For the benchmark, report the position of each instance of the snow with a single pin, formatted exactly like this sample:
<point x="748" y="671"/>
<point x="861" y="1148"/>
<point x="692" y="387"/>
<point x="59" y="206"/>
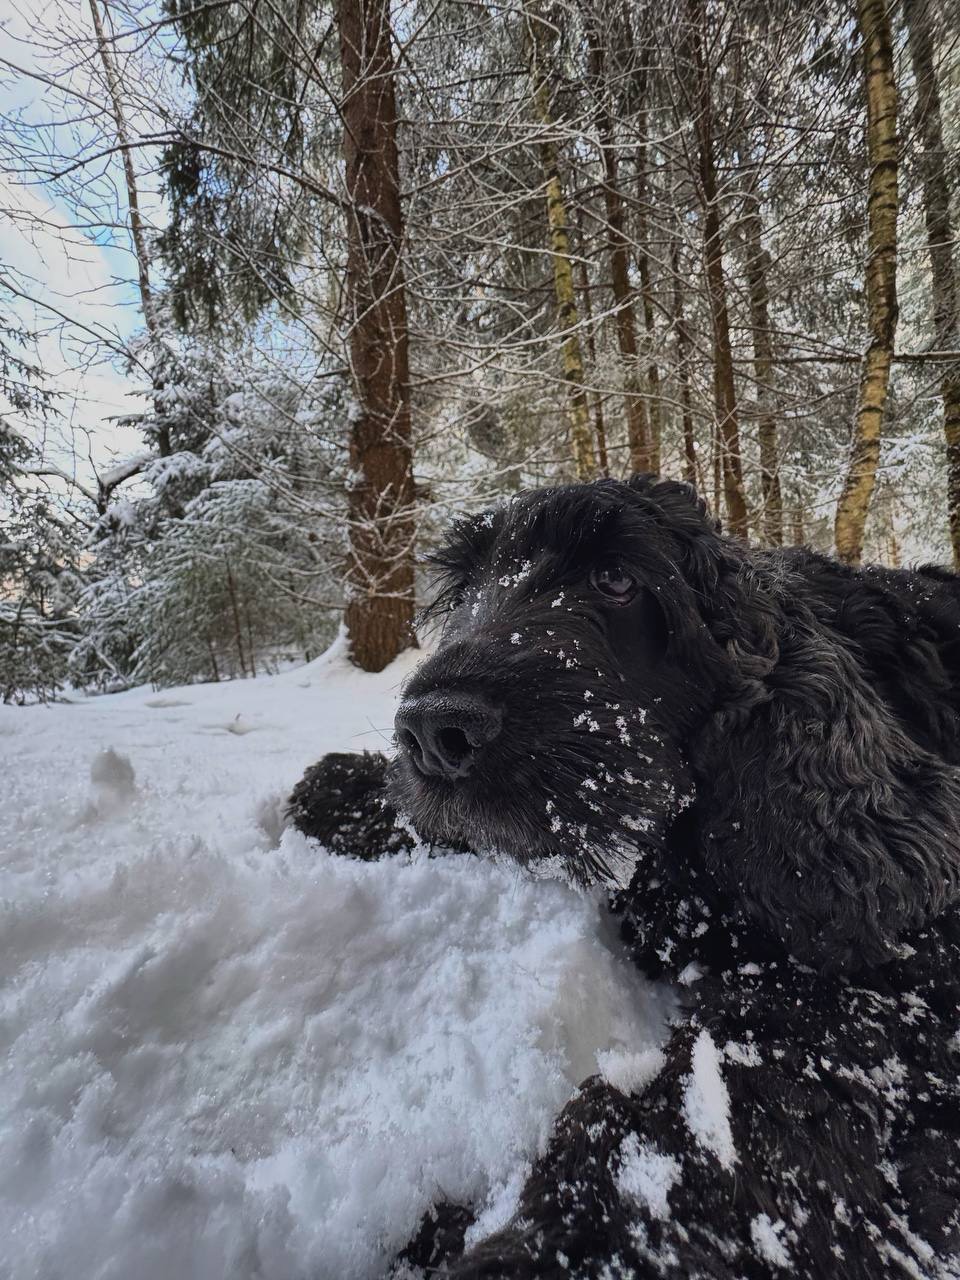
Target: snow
<point x="646" y="1175"/>
<point x="230" y="1053"/>
<point x="767" y="1237"/>
<point x="115" y="475"/>
<point x="628" y="1070"/>
<point x="706" y="1102"/>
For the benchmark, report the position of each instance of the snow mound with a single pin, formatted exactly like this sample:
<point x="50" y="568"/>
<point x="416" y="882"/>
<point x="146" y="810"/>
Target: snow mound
<point x="228" y="1058"/>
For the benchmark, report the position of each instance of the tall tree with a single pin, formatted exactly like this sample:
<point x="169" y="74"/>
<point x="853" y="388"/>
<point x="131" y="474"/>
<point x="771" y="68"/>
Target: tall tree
<point x="539" y="34"/>
<point x="757" y="269"/>
<point x="124" y="142"/>
<point x="599" y="425"/>
<point x="380" y="604"/>
<point x="638" y="427"/>
<point x="256" y="230"/>
<point x="641" y="81"/>
<point x="138" y="232"/>
<point x="940" y="242"/>
<point x="682" y="337"/>
<point x="725" y="393"/>
<point x="880" y="88"/>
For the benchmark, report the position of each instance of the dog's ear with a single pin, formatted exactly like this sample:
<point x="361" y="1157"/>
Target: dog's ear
<point x="834" y="830"/>
<point x="689" y="536"/>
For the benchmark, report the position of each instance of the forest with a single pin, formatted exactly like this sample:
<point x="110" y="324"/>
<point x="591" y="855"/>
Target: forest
<point x="364" y="267"/>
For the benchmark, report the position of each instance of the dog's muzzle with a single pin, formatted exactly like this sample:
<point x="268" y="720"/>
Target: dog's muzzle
<point x="444" y="734"/>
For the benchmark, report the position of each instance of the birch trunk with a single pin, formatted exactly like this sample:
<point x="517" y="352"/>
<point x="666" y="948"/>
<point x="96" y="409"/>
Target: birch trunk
<point x="379" y="612"/>
<point x="939" y="225"/>
<point x="881" y="278"/>
<point x="138" y="236"/>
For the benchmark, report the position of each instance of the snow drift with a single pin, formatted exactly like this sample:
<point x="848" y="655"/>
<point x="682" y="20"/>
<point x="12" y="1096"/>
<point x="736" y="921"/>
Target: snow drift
<point x="229" y="1053"/>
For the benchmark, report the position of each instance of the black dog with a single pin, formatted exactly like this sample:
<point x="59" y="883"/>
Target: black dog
<point x="758" y="749"/>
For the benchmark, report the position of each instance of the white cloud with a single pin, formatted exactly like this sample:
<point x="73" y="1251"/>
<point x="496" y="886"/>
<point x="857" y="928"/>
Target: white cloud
<point x="72" y="299"/>
<point x="75" y="281"/>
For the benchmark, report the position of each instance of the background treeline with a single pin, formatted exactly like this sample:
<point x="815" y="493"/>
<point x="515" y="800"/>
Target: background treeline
<point x="396" y="260"/>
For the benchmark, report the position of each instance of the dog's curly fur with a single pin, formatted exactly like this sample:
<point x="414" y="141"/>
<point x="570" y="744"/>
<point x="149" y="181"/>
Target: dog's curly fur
<point x="764" y="746"/>
<point x="333" y="803"/>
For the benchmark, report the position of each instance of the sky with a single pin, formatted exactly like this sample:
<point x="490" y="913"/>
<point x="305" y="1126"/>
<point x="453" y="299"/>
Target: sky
<point x="79" y="297"/>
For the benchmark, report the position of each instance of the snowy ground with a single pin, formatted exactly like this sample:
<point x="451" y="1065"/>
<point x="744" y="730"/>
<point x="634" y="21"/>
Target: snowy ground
<point x="228" y="1053"/>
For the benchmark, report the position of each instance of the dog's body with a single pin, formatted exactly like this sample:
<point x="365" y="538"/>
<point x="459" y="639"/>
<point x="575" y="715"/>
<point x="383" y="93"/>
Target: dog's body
<point x="758" y="750"/>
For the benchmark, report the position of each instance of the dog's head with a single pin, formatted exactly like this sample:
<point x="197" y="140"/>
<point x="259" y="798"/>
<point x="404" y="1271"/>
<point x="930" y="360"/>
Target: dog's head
<point x="570" y="668"/>
<point x="606" y="656"/>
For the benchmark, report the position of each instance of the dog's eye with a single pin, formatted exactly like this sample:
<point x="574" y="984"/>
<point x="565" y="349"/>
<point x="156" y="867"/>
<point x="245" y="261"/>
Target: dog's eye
<point x="614" y="583"/>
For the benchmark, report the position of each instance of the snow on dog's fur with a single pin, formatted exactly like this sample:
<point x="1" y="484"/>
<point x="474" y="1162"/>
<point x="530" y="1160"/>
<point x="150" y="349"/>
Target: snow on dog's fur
<point x="758" y="750"/>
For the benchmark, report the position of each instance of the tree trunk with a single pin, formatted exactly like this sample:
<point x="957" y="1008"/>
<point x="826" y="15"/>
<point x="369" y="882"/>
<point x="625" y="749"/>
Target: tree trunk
<point x="796" y="532"/>
<point x="725" y="395"/>
<point x="936" y="205"/>
<point x="379" y="612"/>
<point x="638" y="430"/>
<point x="137" y="232"/>
<point x="599" y="426"/>
<point x="894" y="555"/>
<point x="234" y="607"/>
<point x="683" y="368"/>
<point x="126" y="154"/>
<point x="213" y="660"/>
<point x="881" y="278"/>
<point x="771" y="517"/>
<point x="646" y="293"/>
<point x="251" y="650"/>
<point x="639" y="81"/>
<point x="558" y="225"/>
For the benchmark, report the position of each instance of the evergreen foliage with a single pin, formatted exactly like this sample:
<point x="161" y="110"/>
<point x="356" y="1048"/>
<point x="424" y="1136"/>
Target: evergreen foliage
<point x="224" y="562"/>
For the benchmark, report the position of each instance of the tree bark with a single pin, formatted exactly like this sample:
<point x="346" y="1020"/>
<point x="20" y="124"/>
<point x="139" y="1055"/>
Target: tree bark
<point x="683" y="368"/>
<point x="237" y="633"/>
<point x="599" y="426"/>
<point x="137" y="234"/>
<point x="796" y="532"/>
<point x="655" y="414"/>
<point x="213" y="660"/>
<point x="881" y="278"/>
<point x="637" y="59"/>
<point x="380" y="603"/>
<point x="558" y="226"/>
<point x="771" y="517"/>
<point x="137" y="231"/>
<point x="725" y="394"/>
<point x="638" y="430"/>
<point x="939" y="225"/>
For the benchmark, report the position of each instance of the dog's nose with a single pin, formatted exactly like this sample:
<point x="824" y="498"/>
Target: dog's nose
<point x="444" y="733"/>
